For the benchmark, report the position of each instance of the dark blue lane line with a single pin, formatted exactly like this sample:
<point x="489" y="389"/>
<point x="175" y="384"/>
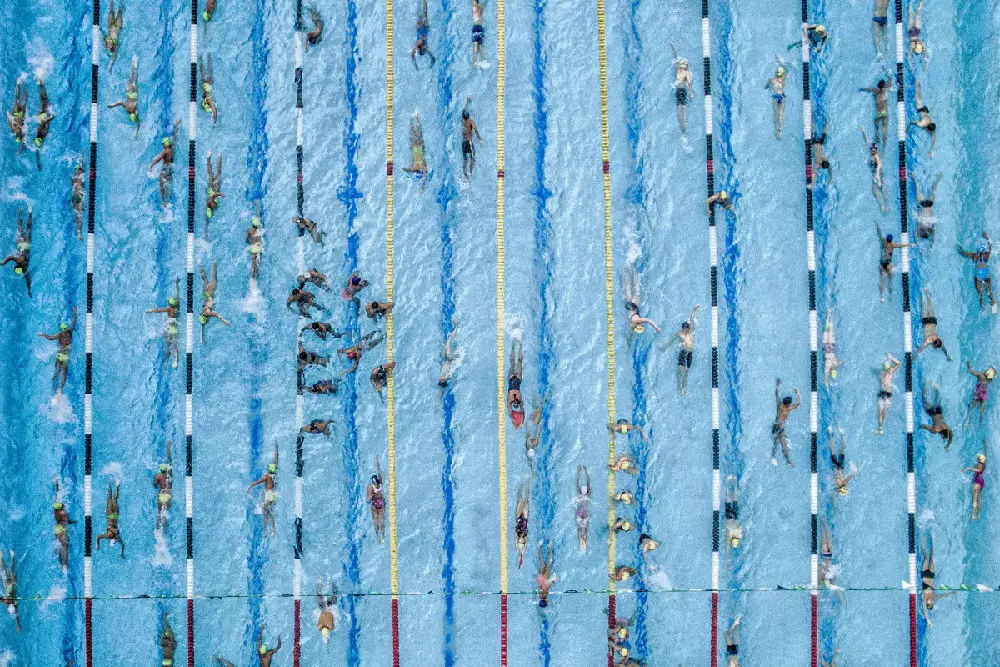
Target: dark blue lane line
<point x="349" y="195"/>
<point x="544" y="497"/>
<point x="445" y="198"/>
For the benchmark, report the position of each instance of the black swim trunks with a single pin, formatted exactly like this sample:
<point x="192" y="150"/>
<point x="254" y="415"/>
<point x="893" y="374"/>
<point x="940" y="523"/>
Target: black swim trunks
<point x="514" y="382"/>
<point x="884" y="394"/>
<point x="681" y="93"/>
<point x="928" y="320"/>
<point x="732" y="511"/>
<point x="684" y="358"/>
<point x="466" y="147"/>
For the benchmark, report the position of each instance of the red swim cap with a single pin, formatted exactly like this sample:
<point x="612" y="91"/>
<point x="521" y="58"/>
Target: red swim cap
<point x="518" y="417"/>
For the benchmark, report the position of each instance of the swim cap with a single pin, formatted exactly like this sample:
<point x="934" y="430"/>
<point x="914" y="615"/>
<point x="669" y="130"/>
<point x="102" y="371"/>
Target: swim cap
<point x="375" y="480"/>
<point x="981" y="458"/>
<point x="930" y="128"/>
<point x="888" y="237"/>
<point x="682" y="63"/>
<point x="518" y="418"/>
<point x="206" y="16"/>
<point x="543" y="603"/>
<point x="780" y="71"/>
<point x="63" y="326"/>
<point x="255" y="221"/>
<point x="735" y="542"/>
<point x="842" y="490"/>
<point x="623" y="652"/>
<point x="78" y="167"/>
<point x="57" y="505"/>
<point x="203" y="319"/>
<point x="18" y="270"/>
<point x="163" y="467"/>
<point x="881" y="83"/>
<point x="638" y="328"/>
<point x="918" y="47"/>
<point x="272" y="467"/>
<point x="263" y="649"/>
<point x="167" y="141"/>
<point x="626" y="525"/>
<point x="38" y="141"/>
<point x="622" y="632"/>
<point x="886" y="365"/>
<point x="787" y="400"/>
<point x="991" y="372"/>
<point x="172" y="301"/>
<point x="821" y="28"/>
<point x="465" y="113"/>
<point x="326" y="633"/>
<point x="133" y="117"/>
<point x="834" y="373"/>
<point x="209" y="213"/>
<point x="723" y="195"/>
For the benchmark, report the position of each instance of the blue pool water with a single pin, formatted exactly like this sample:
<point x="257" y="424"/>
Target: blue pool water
<point x="447" y="457"/>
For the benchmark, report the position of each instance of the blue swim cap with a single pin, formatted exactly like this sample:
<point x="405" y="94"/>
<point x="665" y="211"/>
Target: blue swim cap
<point x="888" y="237"/>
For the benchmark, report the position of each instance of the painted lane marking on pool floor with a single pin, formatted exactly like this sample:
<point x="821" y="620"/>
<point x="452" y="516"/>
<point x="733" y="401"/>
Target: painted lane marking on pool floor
<point x="189" y="338"/>
<point x="911" y="493"/>
<point x="299" y="37"/>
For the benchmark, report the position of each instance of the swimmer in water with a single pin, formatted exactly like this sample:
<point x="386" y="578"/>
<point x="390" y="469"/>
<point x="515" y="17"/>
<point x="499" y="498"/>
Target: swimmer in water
<point x="369" y="341"/>
<point x="209" y="11"/>
<point x="776" y="84"/>
<point x="981" y="393"/>
<point x="62" y="522"/>
<point x="79" y="190"/>
<point x="925" y="121"/>
<point x="355" y="283"/>
<point x="448" y="357"/>
<point x="817" y="35"/>
<point x="318" y="427"/>
<point x="623" y="572"/>
<point x="65" y="340"/>
<point x="468" y="148"/>
<point x="255" y="240"/>
<point x="16" y="116"/>
<point x="265" y="654"/>
<point x="324" y="329"/>
<point x="885" y="262"/>
<point x="9" y="580"/>
<point x="112" y="37"/>
<point x="683" y="88"/>
<point x="307" y="359"/>
<point x="22" y="258"/>
<point x="833" y="661"/>
<point x="624" y="463"/>
<point x="983" y="279"/>
<point x="206" y="80"/>
<point x="170" y="332"/>
<point x="45" y="117"/>
<point x="417" y="164"/>
<point x="270" y="494"/>
<point x="875" y="165"/>
<point x="880" y="95"/>
<point x="685" y="335"/>
<point x="647" y="544"/>
<point x="838" y="460"/>
<point x="622" y="427"/>
<point x="932" y="406"/>
<point x="314" y="276"/>
<point x="314" y="36"/>
<point x="820" y="160"/>
<point x="734" y="531"/>
<point x="784" y="408"/>
<point x="978" y="482"/>
<point x="131" y="102"/>
<point x="213" y="189"/>
<point x="304" y="300"/>
<point x="530" y="445"/>
<point x="380" y="375"/>
<point x="929" y="321"/>
<point x="545" y="578"/>
<point x="307" y="225"/>
<point x="925" y="214"/>
<point x="376" y="499"/>
<point x="478" y="32"/>
<point x="831" y="363"/>
<point x="721" y="198"/>
<point x="624" y="497"/>
<point x="515" y="402"/>
<point x="325" y="387"/>
<point x="928" y="596"/>
<point x="914" y="26"/>
<point x="163" y="481"/>
<point x="168" y="642"/>
<point x="827" y="571"/>
<point x="889" y="368"/>
<point x="327" y="603"/>
<point x="222" y="661"/>
<point x="880" y="21"/>
<point x="111" y="513"/>
<point x="521" y="514"/>
<point x="208" y="294"/>
<point x="377" y="309"/>
<point x="165" y="159"/>
<point x="582" y="504"/>
<point x="422" y="48"/>
<point x="636" y="322"/>
<point x="733" y="644"/>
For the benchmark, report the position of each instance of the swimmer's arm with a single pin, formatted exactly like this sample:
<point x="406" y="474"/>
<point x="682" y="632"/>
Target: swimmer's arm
<point x="945" y="350"/>
<point x="159" y="310"/>
<point x="220" y="318"/>
<point x="48" y="337"/>
<point x="259" y="481"/>
<point x="691" y="322"/>
<point x="646" y="320"/>
<point x="798" y="399"/>
<point x="116" y="104"/>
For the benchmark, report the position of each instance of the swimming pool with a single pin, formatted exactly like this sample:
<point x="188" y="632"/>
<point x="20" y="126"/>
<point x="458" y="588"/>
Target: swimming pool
<point x="454" y="554"/>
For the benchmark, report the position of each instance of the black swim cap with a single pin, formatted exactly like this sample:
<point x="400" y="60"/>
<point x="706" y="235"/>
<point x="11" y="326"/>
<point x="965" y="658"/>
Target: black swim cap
<point x="787" y="400"/>
<point x="881" y="83"/>
<point x="465" y="113"/>
<point x="825" y="164"/>
<point x="932" y="127"/>
<point x="685" y="325"/>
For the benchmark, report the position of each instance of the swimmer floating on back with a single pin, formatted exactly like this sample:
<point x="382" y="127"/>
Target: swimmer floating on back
<point x="172" y="309"/>
<point x="65" y="339"/>
<point x="131" y="102"/>
<point x="22" y="258"/>
<point x="978" y="482"/>
<point x="886" y="374"/>
<point x="683" y="88"/>
<point x="831" y="363"/>
<point x="932" y="406"/>
<point x="422" y="48"/>
<point x="376" y="498"/>
<point x="784" y="408"/>
<point x="111" y="513"/>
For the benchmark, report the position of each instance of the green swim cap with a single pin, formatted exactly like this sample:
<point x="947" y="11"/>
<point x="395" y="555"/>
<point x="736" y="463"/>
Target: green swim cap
<point x="206" y="16"/>
<point x="18" y="270"/>
<point x="57" y="505"/>
<point x="163" y="467"/>
<point x="272" y="467"/>
<point x="38" y="141"/>
<point x="133" y="117"/>
<point x="77" y="167"/>
<point x="263" y="649"/>
<point x="834" y="373"/>
<point x="172" y="301"/>
<point x="167" y="141"/>
<point x="203" y="319"/>
<point x="255" y="221"/>
<point x="63" y="326"/>
<point x="209" y="213"/>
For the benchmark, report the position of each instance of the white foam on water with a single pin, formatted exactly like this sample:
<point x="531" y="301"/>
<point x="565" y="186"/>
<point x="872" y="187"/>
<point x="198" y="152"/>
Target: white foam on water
<point x="56" y="594"/>
<point x="58" y="410"/>
<point x="686" y="144"/>
<point x="254" y="302"/>
<point x="113" y="469"/>
<point x="659" y="580"/>
<point x="6" y="658"/>
<point x="514" y="326"/>
<point x="161" y="550"/>
<point x="40" y="58"/>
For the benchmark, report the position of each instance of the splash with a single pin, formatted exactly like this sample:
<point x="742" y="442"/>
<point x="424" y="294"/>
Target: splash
<point x="514" y="326"/>
<point x="56" y="594"/>
<point x="58" y="410"/>
<point x="40" y="58"/>
<point x="161" y="550"/>
<point x="659" y="580"/>
<point x="254" y="302"/>
<point x="113" y="469"/>
<point x="6" y="658"/>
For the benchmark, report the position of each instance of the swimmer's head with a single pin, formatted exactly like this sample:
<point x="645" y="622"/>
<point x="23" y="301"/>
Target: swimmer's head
<point x="255" y="222"/>
<point x="133" y="116"/>
<point x="63" y="326"/>
<point x="886" y="365"/>
<point x="873" y="148"/>
<point x="825" y="164"/>
<point x="682" y="63"/>
<point x="11" y="608"/>
<point x="77" y="168"/>
<point x="787" y="400"/>
<point x="38" y="141"/>
<point x="834" y="373"/>
<point x="981" y="458"/>
<point x="888" y="237"/>
<point x="821" y="29"/>
<point x="18" y="271"/>
<point x="167" y="142"/>
<point x="209" y="213"/>
<point x="626" y="525"/>
<point x="543" y="603"/>
<point x="931" y="127"/>
<point x="734" y="542"/>
<point x="780" y="72"/>
<point x="990" y="373"/>
<point x="172" y="301"/>
<point x="881" y="84"/>
<point x="842" y="490"/>
<point x="205" y="16"/>
<point x="723" y="195"/>
<point x="203" y="319"/>
<point x="164" y="467"/>
<point x="326" y="634"/>
<point x="622" y="632"/>
<point x="531" y="455"/>
<point x="263" y="649"/>
<point x="937" y="344"/>
<point x="272" y="468"/>
<point x="465" y="114"/>
<point x="442" y="382"/>
<point x="57" y="506"/>
<point x="685" y="325"/>
<point x="638" y="328"/>
<point x="376" y="480"/>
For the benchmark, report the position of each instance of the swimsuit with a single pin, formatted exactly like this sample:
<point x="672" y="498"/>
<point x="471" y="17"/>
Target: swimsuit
<point x="980" y="393"/>
<point x="521" y="529"/>
<point x="477" y="33"/>
<point x="172" y="326"/>
<point x="881" y="114"/>
<point x="163" y="498"/>
<point x="514" y="383"/>
<point x="778" y="429"/>
<point x="466" y="147"/>
<point x="779" y="97"/>
<point x="923" y="109"/>
<point x="422" y="31"/>
<point x="837" y="460"/>
<point x="883" y="394"/>
<point x="732" y="649"/>
<point x="926" y="574"/>
<point x="378" y="502"/>
<point x="928" y="320"/>
<point x="913" y="32"/>
<point x="977" y="480"/>
<point x="926" y="203"/>
<point x="934" y="410"/>
<point x="681" y="94"/>
<point x="982" y="273"/>
<point x="881" y="20"/>
<point x="684" y="358"/>
<point x="732" y="510"/>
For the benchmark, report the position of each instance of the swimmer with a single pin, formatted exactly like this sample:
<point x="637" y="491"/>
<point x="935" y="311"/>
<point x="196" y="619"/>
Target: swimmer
<point x="776" y="84"/>
<point x="206" y="80"/>
<point x="305" y="300"/>
<point x="380" y="375"/>
<point x="22" y="258"/>
<point x="307" y="225"/>
<point x="111" y="513"/>
<point x="545" y="578"/>
<point x="632" y="298"/>
<point x="377" y="309"/>
<point x="168" y="642"/>
<point x="423" y="32"/>
<point x="622" y="427"/>
<point x="820" y="160"/>
<point x="826" y="569"/>
<point x="318" y="427"/>
<point x="530" y="445"/>
<point x="9" y="580"/>
<point x="981" y="393"/>
<point x="885" y="262"/>
<point x="522" y="511"/>
<point x="209" y="11"/>
<point x="617" y="636"/>
<point x="377" y="500"/>
<point x="647" y="544"/>
<point x="213" y="189"/>
<point x="784" y="408"/>
<point x="324" y="329"/>
<point x="932" y="406"/>
<point x="62" y="521"/>
<point x="172" y="309"/>
<point x="355" y="283"/>
<point x="582" y="504"/>
<point x="417" y="164"/>
<point x="983" y="279"/>
<point x="65" y="339"/>
<point x="265" y="654"/>
<point x="978" y="482"/>
<point x="16" y="116"/>
<point x="369" y="341"/>
<point x="925" y="122"/>
<point x="314" y="36"/>
<point x="734" y="531"/>
<point x="624" y="497"/>
<point x="929" y="321"/>
<point x="622" y="526"/>
<point x="833" y="661"/>
<point x="270" y="494"/>
<point x="880" y="20"/>
<point x="925" y="214"/>
<point x="878" y="182"/>
<point x="255" y="240"/>
<point x="208" y="294"/>
<point x="831" y="363"/>
<point x="914" y="25"/>
<point x="45" y="117"/>
<point x="623" y="572"/>
<point x="928" y="596"/>
<point x="314" y="276"/>
<point x="222" y="661"/>
<point x="468" y="148"/>
<point x="721" y="198"/>
<point x="77" y="197"/>
<point x="163" y="481"/>
<point x="733" y="644"/>
<point x="327" y="604"/>
<point x="880" y="95"/>
<point x="817" y="35"/>
<point x="165" y="159"/>
<point x="112" y="37"/>
<point x="323" y="387"/>
<point x="838" y="461"/>
<point x="478" y="32"/>
<point x="889" y="368"/>
<point x="448" y="357"/>
<point x="624" y="463"/>
<point x="685" y="335"/>
<point x="515" y="402"/>
<point x="683" y="88"/>
<point x="131" y="102"/>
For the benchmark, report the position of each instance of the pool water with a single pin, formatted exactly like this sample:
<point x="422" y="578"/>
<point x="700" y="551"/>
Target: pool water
<point x="446" y="456"/>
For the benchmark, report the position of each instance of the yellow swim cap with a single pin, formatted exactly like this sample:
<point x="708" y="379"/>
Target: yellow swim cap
<point x="326" y="633"/>
<point x="990" y="372"/>
<point x="981" y="458"/>
<point x="735" y="542"/>
<point x="638" y="328"/>
<point x="842" y="490"/>
<point x="834" y="373"/>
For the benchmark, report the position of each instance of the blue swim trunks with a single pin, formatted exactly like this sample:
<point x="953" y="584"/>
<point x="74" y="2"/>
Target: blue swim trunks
<point x="477" y="33"/>
<point x="881" y="20"/>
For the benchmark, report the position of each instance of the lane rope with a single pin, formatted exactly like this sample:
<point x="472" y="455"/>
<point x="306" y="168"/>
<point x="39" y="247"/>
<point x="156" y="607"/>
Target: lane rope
<point x="189" y="337"/>
<point x="299" y="37"/>
<point x="501" y="387"/>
